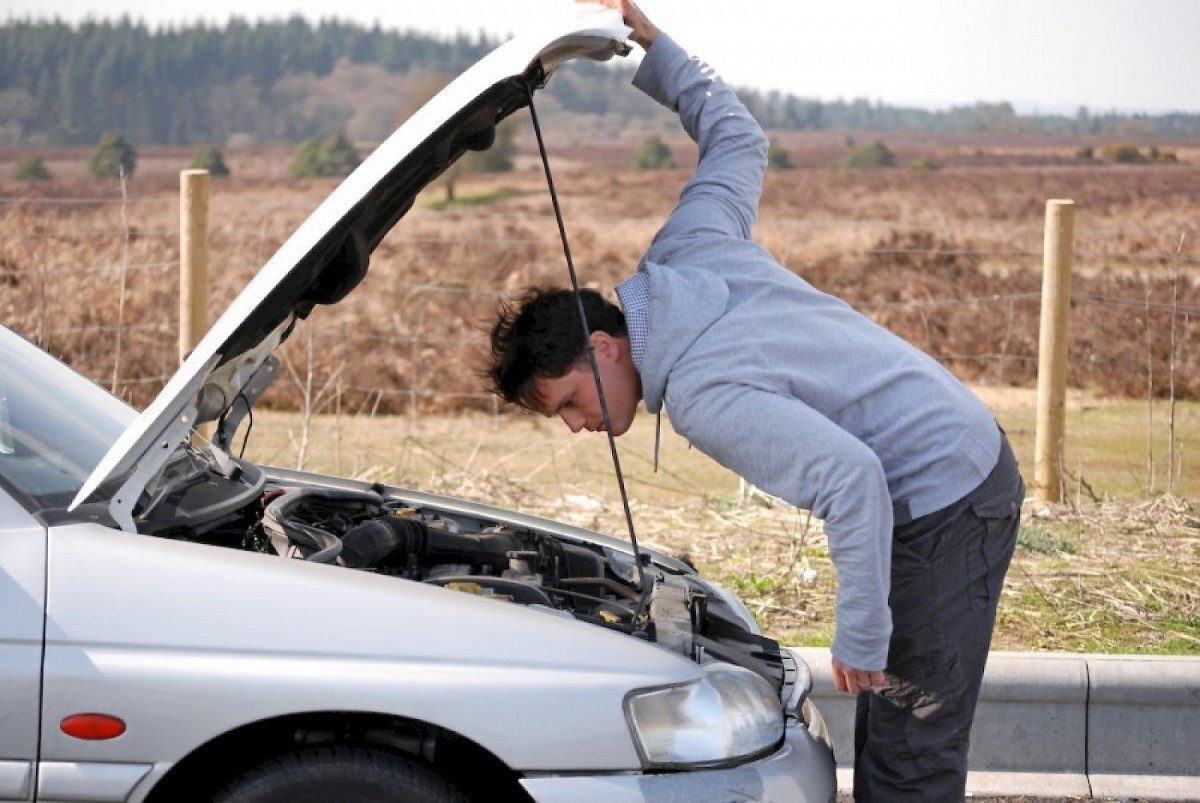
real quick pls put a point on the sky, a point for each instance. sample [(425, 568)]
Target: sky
[(1041, 55)]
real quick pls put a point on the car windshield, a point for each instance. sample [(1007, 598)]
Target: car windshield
[(55, 425)]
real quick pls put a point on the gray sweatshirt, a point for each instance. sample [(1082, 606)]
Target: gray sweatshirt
[(786, 385)]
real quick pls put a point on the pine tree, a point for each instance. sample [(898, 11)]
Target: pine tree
[(653, 155), (209, 158), (113, 157)]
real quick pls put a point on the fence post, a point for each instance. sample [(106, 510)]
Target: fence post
[(1052, 350), (193, 259), (193, 267)]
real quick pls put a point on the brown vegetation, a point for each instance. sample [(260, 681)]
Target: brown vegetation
[(949, 259)]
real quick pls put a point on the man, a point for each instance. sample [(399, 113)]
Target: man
[(813, 402)]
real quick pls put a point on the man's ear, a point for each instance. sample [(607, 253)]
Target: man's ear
[(606, 346)]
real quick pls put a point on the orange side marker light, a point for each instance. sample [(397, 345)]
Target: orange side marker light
[(93, 727)]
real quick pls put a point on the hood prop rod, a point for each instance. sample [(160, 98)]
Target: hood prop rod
[(591, 352)]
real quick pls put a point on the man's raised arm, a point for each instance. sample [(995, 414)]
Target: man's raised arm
[(722, 196)]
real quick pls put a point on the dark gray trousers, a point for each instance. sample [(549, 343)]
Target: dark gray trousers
[(910, 738)]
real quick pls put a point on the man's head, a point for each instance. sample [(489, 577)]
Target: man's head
[(539, 358)]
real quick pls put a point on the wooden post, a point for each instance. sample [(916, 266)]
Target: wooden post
[(1052, 350), (193, 259), (193, 269)]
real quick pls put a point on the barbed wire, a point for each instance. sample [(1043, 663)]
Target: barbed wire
[(806, 224), (1167, 259), (18, 201), (767, 219), (942, 302), (134, 233), (417, 392), (101, 329), (1181, 310), (155, 335), (76, 271), (128, 381)]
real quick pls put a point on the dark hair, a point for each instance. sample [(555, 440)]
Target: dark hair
[(537, 334)]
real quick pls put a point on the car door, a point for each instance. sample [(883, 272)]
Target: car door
[(22, 616)]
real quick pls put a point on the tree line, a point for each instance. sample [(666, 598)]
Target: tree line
[(176, 85)]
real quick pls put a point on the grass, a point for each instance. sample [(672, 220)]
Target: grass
[(1038, 539), (899, 242), (1118, 575), (469, 200)]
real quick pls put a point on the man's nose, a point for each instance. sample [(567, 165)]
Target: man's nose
[(573, 420)]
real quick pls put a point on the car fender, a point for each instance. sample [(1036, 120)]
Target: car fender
[(184, 642)]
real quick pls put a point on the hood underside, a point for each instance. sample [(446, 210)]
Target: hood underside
[(329, 253)]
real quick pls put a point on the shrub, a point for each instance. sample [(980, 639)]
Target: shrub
[(1122, 154), (1039, 539), (30, 168), (334, 155), (112, 156), (209, 158), (1086, 153), (778, 158), (866, 158), (497, 158), (925, 164), (653, 155), (1161, 156)]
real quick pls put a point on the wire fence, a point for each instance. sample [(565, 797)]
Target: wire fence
[(968, 294)]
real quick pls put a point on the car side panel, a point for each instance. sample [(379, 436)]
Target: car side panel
[(185, 641), (22, 596)]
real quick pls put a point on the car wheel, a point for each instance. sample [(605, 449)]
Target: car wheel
[(345, 774)]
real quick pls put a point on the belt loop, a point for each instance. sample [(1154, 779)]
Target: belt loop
[(901, 514)]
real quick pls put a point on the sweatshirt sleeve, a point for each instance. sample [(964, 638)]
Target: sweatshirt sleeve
[(722, 196), (790, 450)]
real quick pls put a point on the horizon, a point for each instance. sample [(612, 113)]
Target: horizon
[(1108, 55)]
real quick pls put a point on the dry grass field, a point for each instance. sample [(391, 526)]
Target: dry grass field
[(948, 258), (1117, 575)]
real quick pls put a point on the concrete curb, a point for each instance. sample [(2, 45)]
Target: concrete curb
[(1064, 725)]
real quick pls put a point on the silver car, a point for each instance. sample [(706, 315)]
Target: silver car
[(177, 623)]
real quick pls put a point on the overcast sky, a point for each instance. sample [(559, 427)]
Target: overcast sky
[(1046, 55)]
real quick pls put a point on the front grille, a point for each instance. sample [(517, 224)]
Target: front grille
[(797, 681)]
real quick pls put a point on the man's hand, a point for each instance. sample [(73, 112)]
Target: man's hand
[(644, 32), (849, 679)]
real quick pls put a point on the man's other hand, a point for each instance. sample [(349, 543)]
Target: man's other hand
[(644, 32), (849, 679)]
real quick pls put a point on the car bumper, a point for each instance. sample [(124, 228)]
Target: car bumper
[(801, 771)]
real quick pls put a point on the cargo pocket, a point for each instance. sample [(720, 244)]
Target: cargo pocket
[(936, 724), (990, 549)]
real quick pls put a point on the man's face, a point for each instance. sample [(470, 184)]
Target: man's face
[(573, 397)]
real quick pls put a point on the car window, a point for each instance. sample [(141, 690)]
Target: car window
[(55, 425)]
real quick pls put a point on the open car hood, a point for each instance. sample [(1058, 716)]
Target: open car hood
[(328, 254)]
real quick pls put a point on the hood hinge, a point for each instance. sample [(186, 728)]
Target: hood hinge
[(152, 462), (254, 388)]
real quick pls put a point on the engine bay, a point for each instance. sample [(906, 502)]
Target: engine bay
[(379, 531), (360, 530)]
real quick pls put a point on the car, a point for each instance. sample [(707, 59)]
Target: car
[(177, 623)]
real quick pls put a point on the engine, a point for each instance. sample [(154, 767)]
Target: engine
[(366, 531), (360, 530)]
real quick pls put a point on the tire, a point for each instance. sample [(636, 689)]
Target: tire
[(343, 774)]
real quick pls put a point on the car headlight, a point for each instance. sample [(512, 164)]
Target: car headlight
[(730, 714)]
